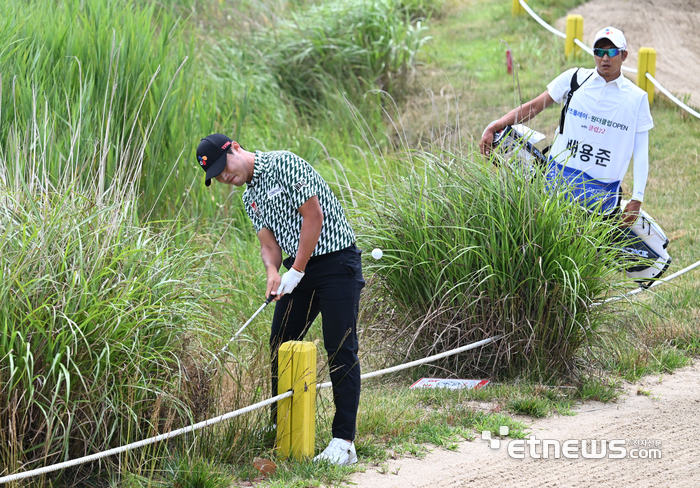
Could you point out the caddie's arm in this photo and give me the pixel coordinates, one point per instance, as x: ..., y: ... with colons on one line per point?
x: 518, y: 115
x: 641, y: 172
x: 271, y: 255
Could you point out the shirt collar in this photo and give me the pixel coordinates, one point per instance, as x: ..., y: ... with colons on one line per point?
x: 618, y: 81
x: 260, y: 166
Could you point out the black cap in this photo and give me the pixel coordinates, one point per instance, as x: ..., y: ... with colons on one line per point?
x: 211, y: 155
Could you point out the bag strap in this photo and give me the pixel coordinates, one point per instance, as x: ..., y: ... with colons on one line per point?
x: 574, y: 86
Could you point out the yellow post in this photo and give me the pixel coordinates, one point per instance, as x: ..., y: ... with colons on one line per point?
x: 646, y: 63
x: 579, y: 33
x: 296, y: 415
x: 574, y: 30
x: 517, y: 8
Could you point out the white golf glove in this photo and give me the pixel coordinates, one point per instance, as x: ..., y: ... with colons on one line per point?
x: 290, y: 280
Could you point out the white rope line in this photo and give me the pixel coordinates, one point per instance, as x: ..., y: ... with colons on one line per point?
x: 656, y: 283
x: 421, y: 361
x: 580, y: 44
x: 216, y: 420
x: 541, y: 22
x: 624, y: 68
x: 144, y: 442
x: 669, y: 95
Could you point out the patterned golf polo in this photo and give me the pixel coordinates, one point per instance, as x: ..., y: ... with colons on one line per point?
x: 282, y: 182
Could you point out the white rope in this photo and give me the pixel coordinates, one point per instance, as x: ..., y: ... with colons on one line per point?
x: 580, y: 44
x: 216, y: 420
x: 656, y: 283
x: 669, y: 95
x: 145, y: 442
x: 418, y: 362
x: 541, y: 22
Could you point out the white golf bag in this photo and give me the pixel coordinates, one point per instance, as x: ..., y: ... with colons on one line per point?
x: 643, y: 245
x: 645, y: 240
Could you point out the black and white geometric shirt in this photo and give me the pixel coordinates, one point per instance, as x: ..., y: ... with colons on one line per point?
x: 282, y: 182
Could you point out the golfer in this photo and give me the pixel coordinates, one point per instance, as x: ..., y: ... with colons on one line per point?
x: 294, y: 211
x: 604, y: 121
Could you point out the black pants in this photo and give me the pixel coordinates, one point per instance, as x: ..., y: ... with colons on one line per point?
x: 331, y: 285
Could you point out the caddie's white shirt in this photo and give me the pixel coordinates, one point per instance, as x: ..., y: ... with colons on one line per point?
x: 601, y: 123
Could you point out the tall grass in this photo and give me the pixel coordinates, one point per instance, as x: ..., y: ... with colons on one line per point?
x: 349, y: 46
x: 100, y: 313
x: 470, y: 253
x: 219, y: 77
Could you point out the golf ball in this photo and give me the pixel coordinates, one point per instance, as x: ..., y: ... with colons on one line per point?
x: 377, y: 253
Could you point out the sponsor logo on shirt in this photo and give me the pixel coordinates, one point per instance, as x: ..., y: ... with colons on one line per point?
x: 257, y: 211
x: 609, y: 123
x: 578, y: 113
x: 275, y: 191
x: 300, y: 184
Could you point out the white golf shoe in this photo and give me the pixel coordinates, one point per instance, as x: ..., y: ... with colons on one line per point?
x: 339, y: 452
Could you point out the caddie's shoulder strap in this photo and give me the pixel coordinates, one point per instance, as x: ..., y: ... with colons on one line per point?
x: 574, y: 86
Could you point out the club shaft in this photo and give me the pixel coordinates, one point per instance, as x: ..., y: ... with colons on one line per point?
x: 262, y: 307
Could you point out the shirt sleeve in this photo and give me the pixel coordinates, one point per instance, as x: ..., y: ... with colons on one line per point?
x: 641, y: 164
x: 644, y: 120
x: 560, y: 86
x: 295, y: 176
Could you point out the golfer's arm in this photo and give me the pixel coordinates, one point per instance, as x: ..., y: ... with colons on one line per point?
x: 524, y: 112
x: 270, y: 251
x: 311, y: 226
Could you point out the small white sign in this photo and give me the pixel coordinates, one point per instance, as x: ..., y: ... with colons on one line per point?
x: 451, y: 384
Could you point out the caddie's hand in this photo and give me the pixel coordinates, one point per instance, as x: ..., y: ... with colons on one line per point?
x: 290, y: 280
x: 486, y: 141
x: 631, y: 213
x: 273, y: 283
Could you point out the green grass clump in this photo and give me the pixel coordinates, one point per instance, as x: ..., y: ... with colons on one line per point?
x: 341, y: 46
x: 97, y: 314
x: 96, y: 71
x: 471, y: 253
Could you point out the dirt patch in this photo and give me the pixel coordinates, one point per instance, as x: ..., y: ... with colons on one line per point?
x: 663, y: 408
x: 669, y: 26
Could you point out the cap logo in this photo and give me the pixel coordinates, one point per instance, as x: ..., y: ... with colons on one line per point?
x: 607, y: 32
x: 202, y: 160
x: 226, y: 145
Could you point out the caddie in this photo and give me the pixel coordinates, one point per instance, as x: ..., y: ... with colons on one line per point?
x: 294, y: 211
x: 604, y: 122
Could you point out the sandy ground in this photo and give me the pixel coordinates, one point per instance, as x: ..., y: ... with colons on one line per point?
x: 670, y: 414
x: 671, y: 27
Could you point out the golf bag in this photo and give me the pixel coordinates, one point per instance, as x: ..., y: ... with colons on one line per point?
x: 643, y: 246
x: 645, y: 240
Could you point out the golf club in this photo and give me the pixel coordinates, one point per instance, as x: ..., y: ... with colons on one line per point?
x: 262, y: 307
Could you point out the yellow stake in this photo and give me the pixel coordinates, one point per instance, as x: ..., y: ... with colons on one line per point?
x: 296, y: 416
x: 646, y: 63
x: 517, y: 8
x: 574, y: 30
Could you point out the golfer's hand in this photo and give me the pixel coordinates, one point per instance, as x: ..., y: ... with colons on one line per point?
x: 631, y: 213
x: 273, y: 283
x: 486, y: 141
x: 290, y: 280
